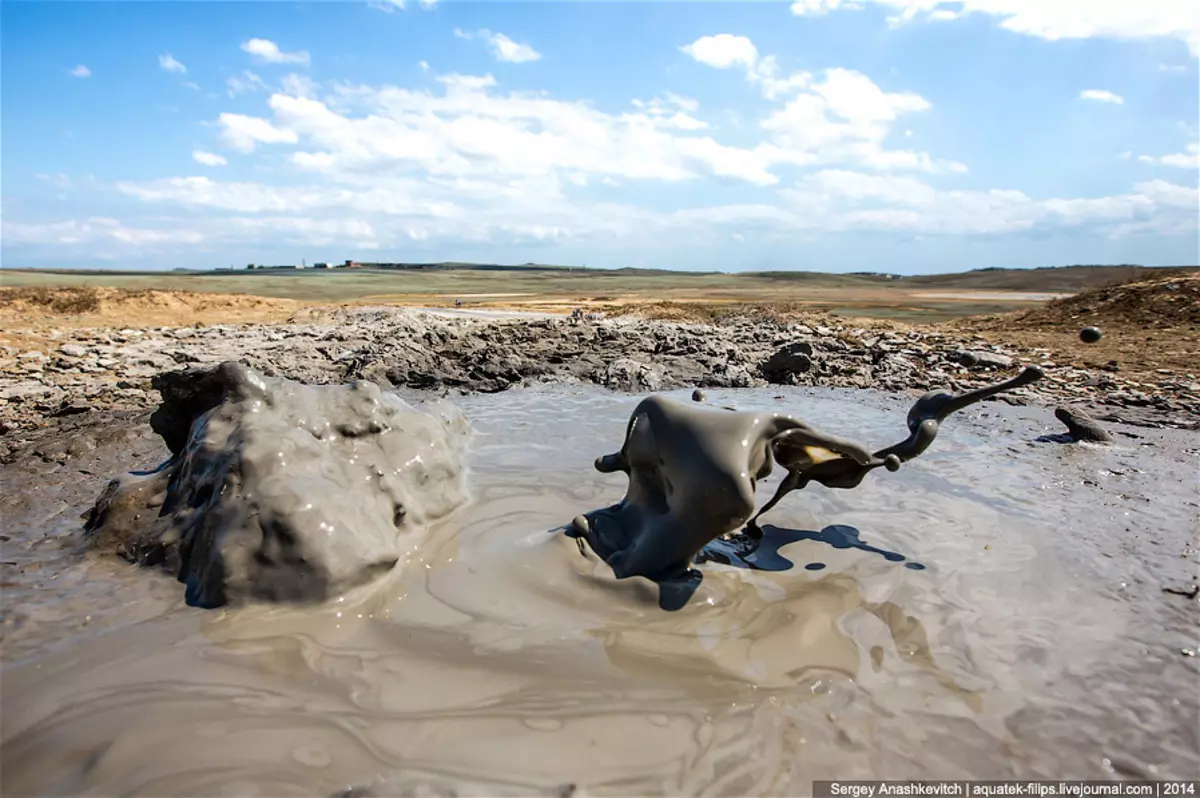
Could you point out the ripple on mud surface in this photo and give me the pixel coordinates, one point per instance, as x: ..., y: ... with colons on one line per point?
x: 504, y: 661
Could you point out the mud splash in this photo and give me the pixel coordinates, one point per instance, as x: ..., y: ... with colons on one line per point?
x: 693, y: 472
x: 1034, y: 641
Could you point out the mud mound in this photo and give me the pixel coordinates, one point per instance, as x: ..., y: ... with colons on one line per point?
x: 280, y: 491
x: 102, y: 306
x: 1162, y: 303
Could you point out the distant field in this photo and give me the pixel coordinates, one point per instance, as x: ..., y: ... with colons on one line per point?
x: 928, y: 298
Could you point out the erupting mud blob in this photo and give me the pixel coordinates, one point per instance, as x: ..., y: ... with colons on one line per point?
x: 693, y: 470
x: 280, y: 491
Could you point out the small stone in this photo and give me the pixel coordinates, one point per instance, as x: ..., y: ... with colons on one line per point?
x: 73, y: 350
x: 1081, y: 426
x: 987, y: 360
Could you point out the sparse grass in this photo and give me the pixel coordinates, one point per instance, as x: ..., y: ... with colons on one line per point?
x: 71, y: 301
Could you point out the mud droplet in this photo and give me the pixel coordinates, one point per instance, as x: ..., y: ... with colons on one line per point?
x: 815, y: 566
x: 658, y: 720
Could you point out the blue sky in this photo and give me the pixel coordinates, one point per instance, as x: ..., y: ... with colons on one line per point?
x: 907, y: 136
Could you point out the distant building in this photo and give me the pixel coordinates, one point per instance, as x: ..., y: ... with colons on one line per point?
x: 322, y: 266
x: 353, y: 264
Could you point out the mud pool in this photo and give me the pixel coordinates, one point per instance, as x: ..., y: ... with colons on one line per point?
x: 993, y: 609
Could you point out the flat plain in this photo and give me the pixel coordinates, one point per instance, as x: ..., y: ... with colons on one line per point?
x: 667, y: 294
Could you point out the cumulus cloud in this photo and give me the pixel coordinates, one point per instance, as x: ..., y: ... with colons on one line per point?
x: 836, y: 115
x: 1062, y: 19
x: 168, y: 63
x: 723, y: 51
x: 502, y: 47
x: 208, y: 158
x: 268, y: 52
x: 467, y: 162
x: 243, y: 132
x: 80, y: 71
x: 1102, y: 96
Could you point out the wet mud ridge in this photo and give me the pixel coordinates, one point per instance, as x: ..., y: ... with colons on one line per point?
x: 84, y: 371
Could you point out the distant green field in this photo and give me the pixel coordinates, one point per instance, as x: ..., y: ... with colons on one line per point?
x: 340, y: 285
x: 871, y: 295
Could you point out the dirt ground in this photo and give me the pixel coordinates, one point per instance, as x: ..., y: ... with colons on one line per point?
x: 29, y: 315
x: 1151, y: 327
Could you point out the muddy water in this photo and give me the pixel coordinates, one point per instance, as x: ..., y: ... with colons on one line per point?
x: 995, y: 608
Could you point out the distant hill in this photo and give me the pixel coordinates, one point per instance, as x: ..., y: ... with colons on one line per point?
x: 1047, y: 279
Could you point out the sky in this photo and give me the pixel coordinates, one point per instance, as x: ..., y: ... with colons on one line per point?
x: 902, y: 136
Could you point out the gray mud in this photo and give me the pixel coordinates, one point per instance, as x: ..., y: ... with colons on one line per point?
x: 993, y: 609
x: 107, y: 370
x: 280, y: 491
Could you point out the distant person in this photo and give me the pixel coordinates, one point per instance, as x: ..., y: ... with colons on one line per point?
x: 458, y: 303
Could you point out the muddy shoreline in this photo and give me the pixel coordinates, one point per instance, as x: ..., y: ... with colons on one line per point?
x: 93, y: 372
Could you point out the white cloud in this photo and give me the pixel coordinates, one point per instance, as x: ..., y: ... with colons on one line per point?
x: 191, y: 85
x: 469, y: 163
x: 388, y: 6
x: 837, y: 116
x: 505, y: 49
x: 80, y: 71
x: 467, y: 83
x: 723, y: 51
x: 268, y: 52
x: 424, y: 65
x: 1188, y: 159
x: 1048, y: 19
x: 816, y: 7
x: 502, y: 47
x: 244, y: 83
x: 1101, y: 96
x: 208, y: 158
x: 168, y: 63
x: 94, y: 229
x: 844, y: 200
x: 243, y: 133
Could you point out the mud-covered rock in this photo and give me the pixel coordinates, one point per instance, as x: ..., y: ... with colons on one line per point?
x: 281, y: 491
x: 791, y: 359
x: 1081, y: 426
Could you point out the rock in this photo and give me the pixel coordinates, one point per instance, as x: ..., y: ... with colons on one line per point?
x: 794, y: 358
x: 986, y: 360
x: 280, y: 491
x: 1081, y: 426
x: 73, y: 350
x: 632, y: 376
